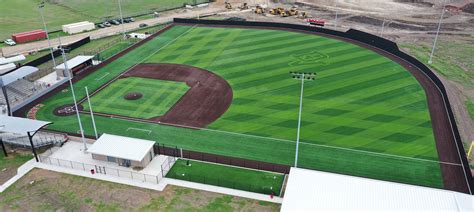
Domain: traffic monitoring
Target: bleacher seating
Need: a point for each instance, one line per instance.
(20, 90)
(39, 140)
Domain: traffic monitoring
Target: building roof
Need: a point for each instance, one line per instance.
(17, 58)
(20, 126)
(309, 190)
(7, 68)
(121, 147)
(17, 74)
(76, 61)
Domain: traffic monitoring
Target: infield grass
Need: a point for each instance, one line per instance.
(158, 97)
(364, 115)
(227, 176)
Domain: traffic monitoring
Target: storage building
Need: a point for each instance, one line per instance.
(78, 27)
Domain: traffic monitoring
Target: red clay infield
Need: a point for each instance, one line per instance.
(207, 99)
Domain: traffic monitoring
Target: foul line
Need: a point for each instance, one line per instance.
(138, 129)
(136, 64)
(290, 141)
(102, 77)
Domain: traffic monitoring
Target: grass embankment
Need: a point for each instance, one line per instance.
(52, 191)
(364, 115)
(227, 176)
(23, 15)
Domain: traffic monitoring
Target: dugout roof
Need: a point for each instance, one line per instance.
(74, 62)
(309, 190)
(121, 147)
(20, 126)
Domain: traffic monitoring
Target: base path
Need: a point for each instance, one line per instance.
(207, 99)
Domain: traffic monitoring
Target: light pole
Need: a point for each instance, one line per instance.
(66, 69)
(335, 24)
(92, 113)
(40, 7)
(437, 33)
(121, 18)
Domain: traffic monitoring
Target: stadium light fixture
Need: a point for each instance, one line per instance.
(69, 73)
(40, 8)
(437, 33)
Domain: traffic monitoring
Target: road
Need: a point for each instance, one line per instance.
(113, 30)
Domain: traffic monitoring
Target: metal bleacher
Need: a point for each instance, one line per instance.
(40, 139)
(20, 90)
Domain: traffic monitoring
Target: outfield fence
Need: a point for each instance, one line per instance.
(106, 170)
(221, 159)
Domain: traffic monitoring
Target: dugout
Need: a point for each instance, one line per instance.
(76, 65)
(125, 151)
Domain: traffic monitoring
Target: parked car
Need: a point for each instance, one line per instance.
(126, 20)
(131, 19)
(101, 25)
(10, 42)
(107, 24)
(115, 22)
(142, 25)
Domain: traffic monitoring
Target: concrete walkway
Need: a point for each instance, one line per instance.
(113, 30)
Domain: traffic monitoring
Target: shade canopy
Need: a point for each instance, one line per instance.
(14, 59)
(21, 126)
(309, 190)
(121, 147)
(17, 74)
(74, 62)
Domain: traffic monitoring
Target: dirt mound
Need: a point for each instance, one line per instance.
(468, 8)
(133, 96)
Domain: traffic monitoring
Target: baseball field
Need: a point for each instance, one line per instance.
(363, 114)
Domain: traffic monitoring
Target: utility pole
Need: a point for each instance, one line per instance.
(66, 69)
(40, 7)
(437, 33)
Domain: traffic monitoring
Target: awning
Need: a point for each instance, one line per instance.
(21, 126)
(121, 147)
(14, 59)
(6, 68)
(74, 62)
(17, 74)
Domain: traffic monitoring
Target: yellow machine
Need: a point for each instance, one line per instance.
(273, 11)
(259, 10)
(303, 14)
(293, 11)
(228, 6)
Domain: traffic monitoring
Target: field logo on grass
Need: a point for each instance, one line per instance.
(313, 57)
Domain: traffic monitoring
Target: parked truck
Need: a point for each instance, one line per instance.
(29, 36)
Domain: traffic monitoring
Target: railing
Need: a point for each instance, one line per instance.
(104, 170)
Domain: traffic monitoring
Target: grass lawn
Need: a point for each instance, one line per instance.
(226, 176)
(158, 97)
(364, 115)
(23, 15)
(52, 191)
(10, 164)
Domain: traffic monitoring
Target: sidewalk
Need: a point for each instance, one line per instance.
(113, 30)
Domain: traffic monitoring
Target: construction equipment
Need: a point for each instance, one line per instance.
(228, 5)
(244, 6)
(259, 10)
(292, 11)
(303, 14)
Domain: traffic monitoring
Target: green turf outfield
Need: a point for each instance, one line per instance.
(227, 176)
(158, 97)
(364, 115)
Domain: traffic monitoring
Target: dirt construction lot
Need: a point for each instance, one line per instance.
(42, 190)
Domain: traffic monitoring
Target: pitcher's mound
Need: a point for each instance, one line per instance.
(133, 96)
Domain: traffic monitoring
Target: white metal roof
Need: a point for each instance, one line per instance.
(309, 190)
(5, 60)
(121, 147)
(17, 74)
(21, 126)
(72, 63)
(6, 68)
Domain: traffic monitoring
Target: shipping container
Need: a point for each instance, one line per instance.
(29, 36)
(78, 27)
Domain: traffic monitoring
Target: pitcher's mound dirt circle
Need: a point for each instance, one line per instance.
(133, 96)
